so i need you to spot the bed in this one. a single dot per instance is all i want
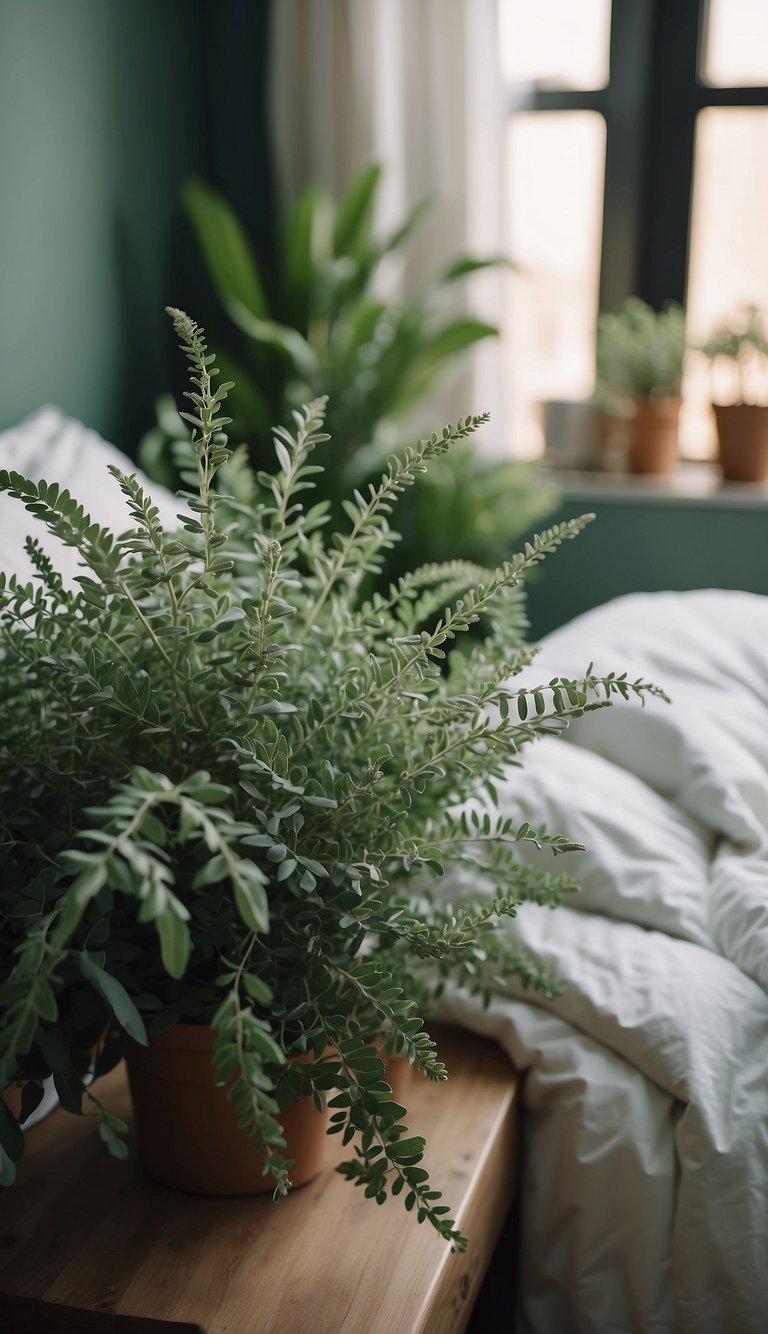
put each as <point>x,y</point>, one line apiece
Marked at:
<point>644,1188</point>
<point>645,1165</point>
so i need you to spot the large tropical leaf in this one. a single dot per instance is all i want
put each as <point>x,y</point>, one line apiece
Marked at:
<point>230,261</point>
<point>454,338</point>
<point>281,337</point>
<point>436,352</point>
<point>464,265</point>
<point>308,248</point>
<point>355,213</point>
<point>413,220</point>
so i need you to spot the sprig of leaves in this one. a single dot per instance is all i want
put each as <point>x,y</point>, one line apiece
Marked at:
<point>231,784</point>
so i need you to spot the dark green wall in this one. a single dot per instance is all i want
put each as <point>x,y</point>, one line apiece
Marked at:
<point>648,546</point>
<point>105,106</point>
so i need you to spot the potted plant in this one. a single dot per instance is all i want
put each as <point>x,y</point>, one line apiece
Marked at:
<point>315,321</point>
<point>741,349</point>
<point>228,783</point>
<point>639,372</point>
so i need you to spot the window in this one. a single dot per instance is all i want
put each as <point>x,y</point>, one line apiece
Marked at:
<point>638,153</point>
<point>556,162</point>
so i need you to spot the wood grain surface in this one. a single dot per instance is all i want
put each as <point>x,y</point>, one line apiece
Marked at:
<point>89,1245</point>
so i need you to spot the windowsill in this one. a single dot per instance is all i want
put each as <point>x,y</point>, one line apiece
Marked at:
<point>692,484</point>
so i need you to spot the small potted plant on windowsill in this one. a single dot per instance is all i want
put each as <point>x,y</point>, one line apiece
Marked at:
<point>222,768</point>
<point>739,349</point>
<point>639,372</point>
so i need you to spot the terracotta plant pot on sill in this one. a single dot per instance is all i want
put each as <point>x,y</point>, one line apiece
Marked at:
<point>653,435</point>
<point>742,432</point>
<point>186,1128</point>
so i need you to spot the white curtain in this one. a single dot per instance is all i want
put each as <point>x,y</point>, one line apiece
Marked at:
<point>416,86</point>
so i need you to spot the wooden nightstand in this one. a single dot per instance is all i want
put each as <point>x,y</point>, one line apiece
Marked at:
<point>89,1245</point>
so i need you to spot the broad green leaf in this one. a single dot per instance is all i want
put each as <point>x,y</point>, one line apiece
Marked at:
<point>358,327</point>
<point>251,902</point>
<point>257,989</point>
<point>308,246</point>
<point>467,264</point>
<point>355,213</point>
<point>174,943</point>
<point>455,337</point>
<point>260,1040</point>
<point>211,873</point>
<point>116,996</point>
<point>211,794</point>
<point>117,1146</point>
<point>281,337</point>
<point>231,264</point>
<point>410,224</point>
<point>407,1148</point>
<point>88,883</point>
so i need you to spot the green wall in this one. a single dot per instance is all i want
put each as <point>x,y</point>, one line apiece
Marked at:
<point>647,546</point>
<point>105,106</point>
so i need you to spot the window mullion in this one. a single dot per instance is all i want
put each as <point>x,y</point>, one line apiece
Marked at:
<point>674,102</point>
<point>625,108</point>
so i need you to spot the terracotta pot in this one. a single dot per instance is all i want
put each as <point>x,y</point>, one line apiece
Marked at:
<point>742,432</point>
<point>398,1070</point>
<point>653,435</point>
<point>186,1128</point>
<point>398,1073</point>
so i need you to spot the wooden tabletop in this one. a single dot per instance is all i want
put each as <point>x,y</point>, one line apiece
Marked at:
<point>89,1245</point>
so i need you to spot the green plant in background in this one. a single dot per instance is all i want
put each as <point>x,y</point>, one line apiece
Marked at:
<point>315,324</point>
<point>640,353</point>
<point>743,345</point>
<point>470,505</point>
<point>230,784</point>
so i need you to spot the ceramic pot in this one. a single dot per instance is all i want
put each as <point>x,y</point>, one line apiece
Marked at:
<point>653,435</point>
<point>187,1134</point>
<point>742,432</point>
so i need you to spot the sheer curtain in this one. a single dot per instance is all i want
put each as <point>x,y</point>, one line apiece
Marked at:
<point>415,85</point>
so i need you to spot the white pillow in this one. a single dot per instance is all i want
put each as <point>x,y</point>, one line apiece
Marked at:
<point>48,446</point>
<point>709,650</point>
<point>646,861</point>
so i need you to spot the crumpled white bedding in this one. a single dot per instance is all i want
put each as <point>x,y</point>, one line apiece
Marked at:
<point>52,447</point>
<point>645,1171</point>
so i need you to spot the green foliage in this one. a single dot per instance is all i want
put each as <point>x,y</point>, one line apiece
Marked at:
<point>640,352</point>
<point>230,784</point>
<point>316,324</point>
<point>743,343</point>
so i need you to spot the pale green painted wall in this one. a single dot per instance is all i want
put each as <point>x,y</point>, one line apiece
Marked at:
<point>105,105</point>
<point>645,547</point>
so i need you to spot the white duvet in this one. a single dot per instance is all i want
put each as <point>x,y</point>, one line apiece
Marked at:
<point>645,1170</point>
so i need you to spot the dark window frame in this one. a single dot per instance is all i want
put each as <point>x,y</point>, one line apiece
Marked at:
<point>650,106</point>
